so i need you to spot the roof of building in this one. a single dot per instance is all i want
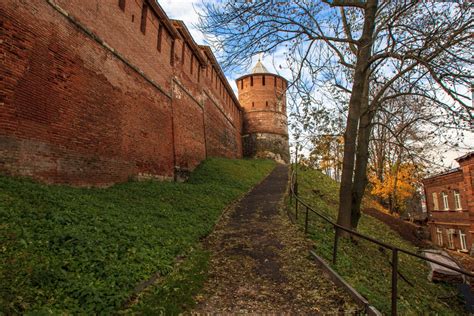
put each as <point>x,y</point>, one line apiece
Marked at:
<point>444,173</point>
<point>259,68</point>
<point>466,156</point>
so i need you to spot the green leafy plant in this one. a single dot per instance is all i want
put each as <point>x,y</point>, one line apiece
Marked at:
<point>77,250</point>
<point>364,265</point>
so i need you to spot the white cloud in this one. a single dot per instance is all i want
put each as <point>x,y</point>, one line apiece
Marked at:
<point>184,10</point>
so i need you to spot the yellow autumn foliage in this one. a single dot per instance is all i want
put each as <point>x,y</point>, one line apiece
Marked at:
<point>398,183</point>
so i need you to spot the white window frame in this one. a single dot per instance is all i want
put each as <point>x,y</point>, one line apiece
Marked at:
<point>439,235</point>
<point>457,200</point>
<point>463,240</point>
<point>451,238</point>
<point>444,195</point>
<point>435,201</point>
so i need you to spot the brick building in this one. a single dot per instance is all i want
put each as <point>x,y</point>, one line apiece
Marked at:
<point>265,131</point>
<point>450,202</point>
<point>96,92</point>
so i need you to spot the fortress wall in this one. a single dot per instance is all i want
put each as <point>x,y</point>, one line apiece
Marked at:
<point>76,110</point>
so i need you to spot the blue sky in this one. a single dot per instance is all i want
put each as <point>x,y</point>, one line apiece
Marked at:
<point>186,10</point>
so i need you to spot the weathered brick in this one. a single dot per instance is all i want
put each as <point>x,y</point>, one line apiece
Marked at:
<point>89,99</point>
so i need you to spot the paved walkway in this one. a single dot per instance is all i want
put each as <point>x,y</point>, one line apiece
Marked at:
<point>260,263</point>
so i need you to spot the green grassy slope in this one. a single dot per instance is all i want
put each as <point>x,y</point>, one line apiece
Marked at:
<point>73,250</point>
<point>364,266</point>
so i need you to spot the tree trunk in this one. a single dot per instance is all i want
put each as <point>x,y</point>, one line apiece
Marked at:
<point>362,156</point>
<point>350,135</point>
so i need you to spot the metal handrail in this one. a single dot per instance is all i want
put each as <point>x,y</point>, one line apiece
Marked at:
<point>395,250</point>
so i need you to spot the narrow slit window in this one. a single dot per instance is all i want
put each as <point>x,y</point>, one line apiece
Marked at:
<point>251,81</point>
<point>253,104</point>
<point>275,81</point>
<point>241,84</point>
<point>172,53</point>
<point>160,37</point>
<point>192,63</point>
<point>266,104</point>
<point>263,80</point>
<point>144,17</point>
<point>183,52</point>
<point>122,5</point>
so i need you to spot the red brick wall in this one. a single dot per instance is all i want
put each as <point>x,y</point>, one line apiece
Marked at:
<point>459,180</point>
<point>72,111</point>
<point>263,97</point>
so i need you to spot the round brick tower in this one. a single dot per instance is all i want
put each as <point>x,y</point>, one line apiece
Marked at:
<point>263,97</point>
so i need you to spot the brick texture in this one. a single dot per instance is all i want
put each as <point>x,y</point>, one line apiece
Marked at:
<point>461,219</point>
<point>265,130</point>
<point>87,98</point>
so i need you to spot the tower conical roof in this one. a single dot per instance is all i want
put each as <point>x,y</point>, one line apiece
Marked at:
<point>259,68</point>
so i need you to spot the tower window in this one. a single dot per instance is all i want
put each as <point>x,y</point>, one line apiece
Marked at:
<point>144,17</point>
<point>122,5</point>
<point>160,35</point>
<point>266,104</point>
<point>263,80</point>
<point>251,81</point>
<point>241,84</point>
<point>275,81</point>
<point>253,104</point>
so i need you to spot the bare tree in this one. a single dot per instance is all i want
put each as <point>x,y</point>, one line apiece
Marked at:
<point>363,51</point>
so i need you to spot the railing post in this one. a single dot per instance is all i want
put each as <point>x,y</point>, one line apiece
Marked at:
<point>306,221</point>
<point>394,280</point>
<point>334,250</point>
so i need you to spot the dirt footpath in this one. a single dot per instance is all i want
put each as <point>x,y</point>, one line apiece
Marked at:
<point>260,261</point>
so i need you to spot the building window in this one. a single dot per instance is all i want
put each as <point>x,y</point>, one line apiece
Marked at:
<point>462,239</point>
<point>451,238</point>
<point>275,81</point>
<point>457,200</point>
<point>122,5</point>
<point>445,201</point>
<point>251,81</point>
<point>160,35</point>
<point>241,84</point>
<point>266,104</point>
<point>263,80</point>
<point>435,202</point>
<point>439,236</point>
<point>144,17</point>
